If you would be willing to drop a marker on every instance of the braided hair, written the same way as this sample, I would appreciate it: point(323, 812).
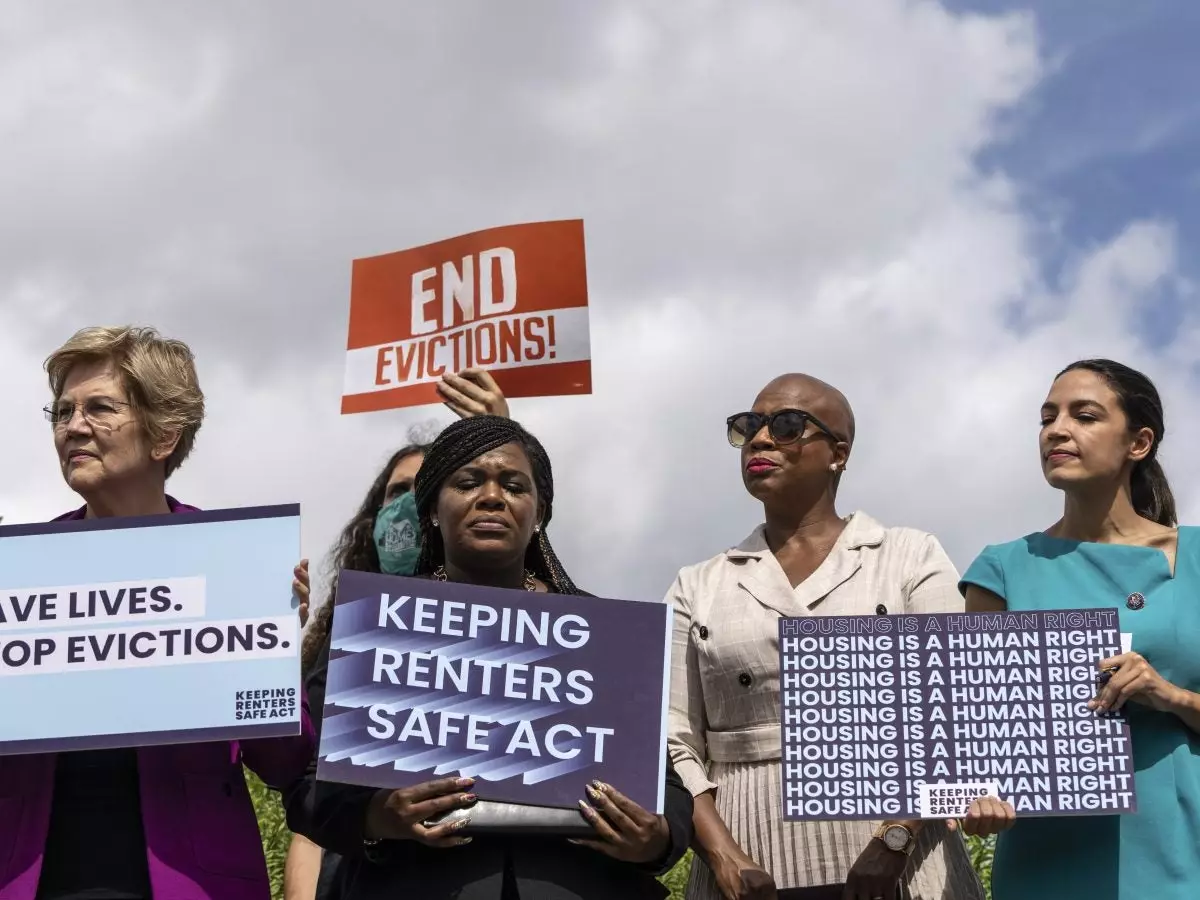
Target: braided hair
point(454, 448)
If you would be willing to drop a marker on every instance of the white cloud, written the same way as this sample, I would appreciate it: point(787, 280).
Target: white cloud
point(766, 187)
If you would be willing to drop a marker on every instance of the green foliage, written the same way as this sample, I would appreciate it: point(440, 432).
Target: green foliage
point(676, 879)
point(276, 839)
point(982, 850)
point(272, 824)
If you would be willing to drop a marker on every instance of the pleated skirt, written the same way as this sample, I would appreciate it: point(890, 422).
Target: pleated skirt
point(805, 854)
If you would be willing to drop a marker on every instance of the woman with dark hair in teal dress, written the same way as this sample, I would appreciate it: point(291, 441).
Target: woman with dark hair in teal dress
point(1117, 545)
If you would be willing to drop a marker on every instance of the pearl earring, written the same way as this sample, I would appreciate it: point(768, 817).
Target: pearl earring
point(433, 522)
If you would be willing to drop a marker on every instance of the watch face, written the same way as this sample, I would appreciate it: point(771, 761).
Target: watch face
point(896, 838)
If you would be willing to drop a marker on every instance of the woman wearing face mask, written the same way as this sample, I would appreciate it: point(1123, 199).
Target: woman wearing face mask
point(491, 468)
point(1117, 545)
point(383, 536)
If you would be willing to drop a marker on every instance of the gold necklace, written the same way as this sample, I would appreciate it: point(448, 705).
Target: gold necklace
point(530, 583)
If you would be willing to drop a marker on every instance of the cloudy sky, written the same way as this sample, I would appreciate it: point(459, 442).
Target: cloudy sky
point(933, 206)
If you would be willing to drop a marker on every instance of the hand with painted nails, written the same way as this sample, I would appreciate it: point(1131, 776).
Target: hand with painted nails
point(1131, 678)
point(300, 587)
point(401, 815)
point(472, 392)
point(625, 831)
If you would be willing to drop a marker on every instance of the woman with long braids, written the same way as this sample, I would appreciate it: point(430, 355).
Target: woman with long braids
point(1118, 546)
point(484, 496)
point(382, 536)
point(464, 446)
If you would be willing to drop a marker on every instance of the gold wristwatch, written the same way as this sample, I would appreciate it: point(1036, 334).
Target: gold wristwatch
point(897, 837)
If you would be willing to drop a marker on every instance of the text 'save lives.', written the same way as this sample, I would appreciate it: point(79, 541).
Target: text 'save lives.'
point(135, 631)
point(914, 716)
point(532, 694)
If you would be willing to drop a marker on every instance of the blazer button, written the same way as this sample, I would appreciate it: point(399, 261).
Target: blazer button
point(745, 680)
point(704, 632)
point(881, 610)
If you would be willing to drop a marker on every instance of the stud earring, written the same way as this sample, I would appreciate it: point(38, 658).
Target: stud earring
point(433, 522)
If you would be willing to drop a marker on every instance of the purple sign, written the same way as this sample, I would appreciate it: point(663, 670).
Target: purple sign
point(914, 716)
point(531, 694)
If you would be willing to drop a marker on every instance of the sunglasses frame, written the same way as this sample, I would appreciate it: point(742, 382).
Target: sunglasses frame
point(769, 421)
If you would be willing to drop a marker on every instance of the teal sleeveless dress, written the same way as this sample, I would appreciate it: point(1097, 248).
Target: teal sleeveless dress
point(1155, 853)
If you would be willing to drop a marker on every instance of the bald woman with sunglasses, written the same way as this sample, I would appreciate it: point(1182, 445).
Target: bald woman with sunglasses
point(724, 739)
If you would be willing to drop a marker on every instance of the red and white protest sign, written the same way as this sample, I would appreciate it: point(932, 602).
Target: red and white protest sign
point(512, 300)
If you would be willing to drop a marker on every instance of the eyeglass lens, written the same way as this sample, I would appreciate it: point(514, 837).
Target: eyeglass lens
point(784, 426)
point(98, 411)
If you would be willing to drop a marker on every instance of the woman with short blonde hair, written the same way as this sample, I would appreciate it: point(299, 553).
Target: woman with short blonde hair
point(148, 822)
point(156, 374)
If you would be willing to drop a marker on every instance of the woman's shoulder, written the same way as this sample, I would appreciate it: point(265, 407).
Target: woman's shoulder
point(1032, 544)
point(1009, 554)
point(892, 545)
point(996, 565)
point(753, 546)
point(710, 576)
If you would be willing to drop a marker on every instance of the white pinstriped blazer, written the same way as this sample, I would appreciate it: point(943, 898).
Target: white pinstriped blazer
point(725, 690)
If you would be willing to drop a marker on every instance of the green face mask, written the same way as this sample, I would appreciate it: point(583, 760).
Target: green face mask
point(398, 536)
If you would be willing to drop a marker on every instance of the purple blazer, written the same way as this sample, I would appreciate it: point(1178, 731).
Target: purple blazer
point(202, 838)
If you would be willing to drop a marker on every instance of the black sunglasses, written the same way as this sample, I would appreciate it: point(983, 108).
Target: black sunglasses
point(784, 425)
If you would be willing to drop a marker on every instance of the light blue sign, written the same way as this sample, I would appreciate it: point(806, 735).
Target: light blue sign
point(133, 631)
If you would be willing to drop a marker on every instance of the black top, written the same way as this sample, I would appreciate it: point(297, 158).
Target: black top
point(96, 846)
point(489, 868)
point(328, 884)
point(329, 879)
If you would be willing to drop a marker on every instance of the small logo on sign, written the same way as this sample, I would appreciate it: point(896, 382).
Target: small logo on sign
point(265, 704)
point(950, 801)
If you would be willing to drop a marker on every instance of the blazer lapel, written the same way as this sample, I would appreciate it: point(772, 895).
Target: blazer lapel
point(766, 582)
point(763, 577)
point(839, 566)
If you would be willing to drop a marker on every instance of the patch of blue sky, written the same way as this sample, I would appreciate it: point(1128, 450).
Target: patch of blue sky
point(1111, 135)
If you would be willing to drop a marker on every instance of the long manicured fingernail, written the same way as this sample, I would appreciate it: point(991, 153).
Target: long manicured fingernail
point(462, 823)
point(465, 782)
point(587, 810)
point(600, 786)
point(469, 798)
point(593, 793)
